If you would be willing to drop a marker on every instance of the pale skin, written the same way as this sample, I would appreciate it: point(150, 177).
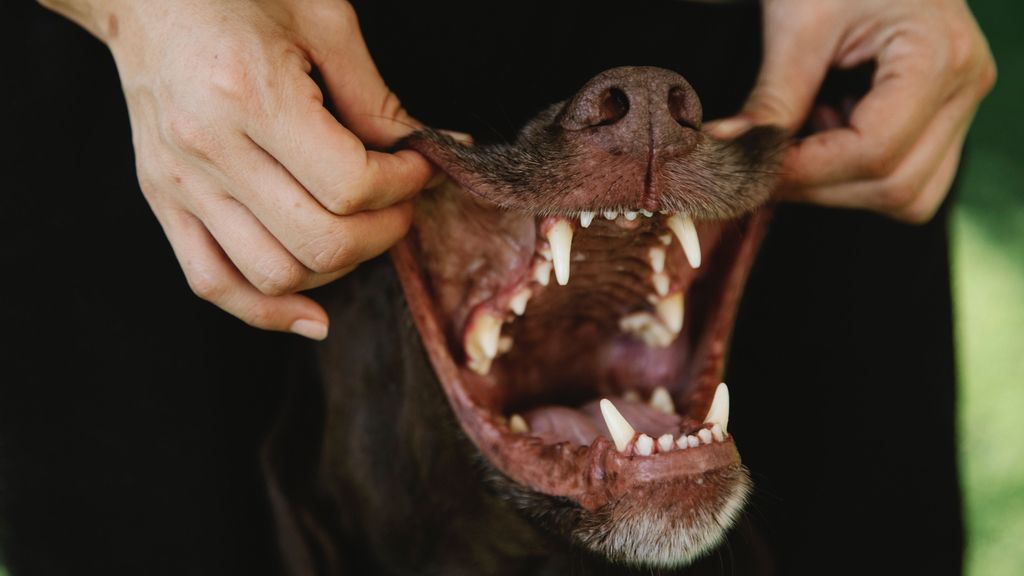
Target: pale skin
point(263, 194)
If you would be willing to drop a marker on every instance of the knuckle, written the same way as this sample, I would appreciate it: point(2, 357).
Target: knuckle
point(881, 161)
point(204, 283)
point(190, 134)
point(894, 196)
point(260, 315)
point(277, 279)
point(326, 257)
point(230, 76)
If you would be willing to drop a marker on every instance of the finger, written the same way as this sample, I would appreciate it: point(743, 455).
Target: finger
point(798, 48)
point(366, 105)
point(213, 278)
point(331, 162)
point(935, 190)
point(894, 193)
point(255, 252)
point(884, 126)
point(321, 241)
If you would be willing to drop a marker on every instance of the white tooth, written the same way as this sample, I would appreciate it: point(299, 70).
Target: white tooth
point(545, 252)
point(665, 443)
point(631, 395)
point(647, 213)
point(670, 310)
point(661, 283)
point(586, 218)
point(646, 327)
point(682, 226)
point(657, 257)
point(681, 443)
point(504, 344)
point(704, 435)
point(622, 433)
point(610, 214)
point(716, 431)
point(719, 411)
point(518, 425)
point(665, 239)
point(482, 340)
point(692, 441)
point(630, 215)
point(560, 238)
point(661, 401)
point(644, 445)
point(542, 273)
point(518, 301)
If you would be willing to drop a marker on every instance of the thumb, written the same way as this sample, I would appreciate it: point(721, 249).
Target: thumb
point(798, 49)
point(365, 104)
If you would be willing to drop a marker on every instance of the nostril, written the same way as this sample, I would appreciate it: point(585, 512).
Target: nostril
point(684, 107)
point(614, 106)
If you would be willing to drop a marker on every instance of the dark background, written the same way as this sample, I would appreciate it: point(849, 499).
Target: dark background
point(131, 412)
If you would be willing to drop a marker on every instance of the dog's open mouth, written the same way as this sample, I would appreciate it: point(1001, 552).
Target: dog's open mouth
point(576, 290)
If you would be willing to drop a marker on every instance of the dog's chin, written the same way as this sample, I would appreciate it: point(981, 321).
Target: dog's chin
point(575, 292)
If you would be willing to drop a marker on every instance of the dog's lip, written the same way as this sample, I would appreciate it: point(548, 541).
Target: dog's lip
point(591, 475)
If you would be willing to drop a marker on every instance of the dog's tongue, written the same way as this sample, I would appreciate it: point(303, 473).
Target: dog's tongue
point(582, 425)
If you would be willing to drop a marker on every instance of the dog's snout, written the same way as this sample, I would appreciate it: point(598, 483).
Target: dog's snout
point(634, 102)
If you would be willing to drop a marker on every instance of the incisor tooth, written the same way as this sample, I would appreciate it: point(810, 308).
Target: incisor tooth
point(482, 340)
point(657, 257)
point(681, 443)
point(542, 272)
point(610, 214)
point(560, 238)
point(586, 218)
point(716, 431)
point(661, 401)
point(718, 413)
point(644, 445)
point(622, 433)
point(692, 441)
point(518, 425)
point(670, 310)
point(647, 213)
point(683, 228)
point(665, 443)
point(705, 435)
point(661, 283)
point(630, 215)
point(518, 301)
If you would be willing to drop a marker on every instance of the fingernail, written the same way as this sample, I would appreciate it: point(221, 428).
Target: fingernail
point(312, 329)
point(460, 136)
point(729, 128)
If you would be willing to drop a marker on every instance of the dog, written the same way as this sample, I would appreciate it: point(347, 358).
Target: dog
point(547, 355)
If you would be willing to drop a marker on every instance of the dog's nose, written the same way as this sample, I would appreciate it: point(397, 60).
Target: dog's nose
point(634, 105)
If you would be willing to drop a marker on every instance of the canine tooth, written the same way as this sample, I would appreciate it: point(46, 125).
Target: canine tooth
point(610, 214)
point(518, 301)
point(665, 443)
point(657, 257)
point(718, 413)
point(645, 326)
point(682, 226)
point(661, 401)
point(670, 310)
point(705, 435)
point(661, 283)
point(681, 443)
point(644, 445)
point(665, 239)
point(647, 213)
point(630, 215)
point(692, 441)
point(482, 341)
point(586, 218)
point(542, 273)
point(622, 433)
point(518, 425)
point(560, 238)
point(716, 431)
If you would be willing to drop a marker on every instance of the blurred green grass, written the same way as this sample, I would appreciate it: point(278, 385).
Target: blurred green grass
point(988, 275)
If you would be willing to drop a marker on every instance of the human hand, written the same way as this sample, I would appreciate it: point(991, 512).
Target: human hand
point(899, 150)
point(261, 192)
